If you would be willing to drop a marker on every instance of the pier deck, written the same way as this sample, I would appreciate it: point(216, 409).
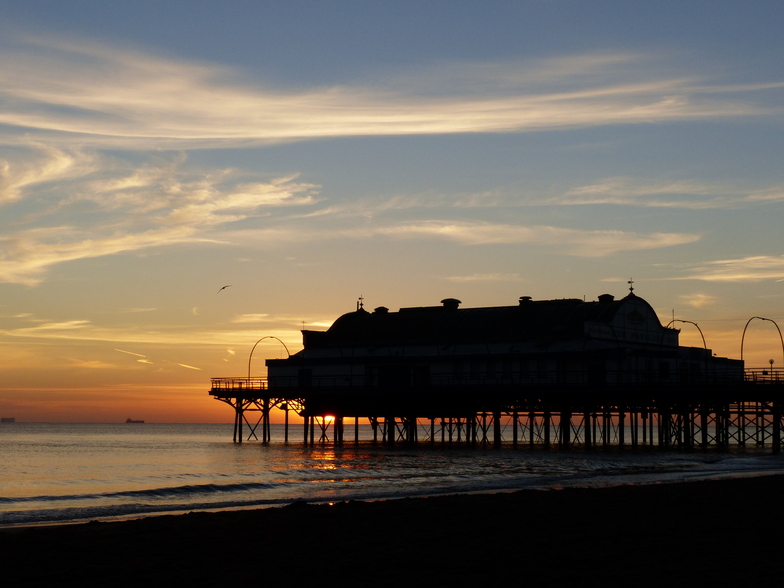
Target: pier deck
point(679, 415)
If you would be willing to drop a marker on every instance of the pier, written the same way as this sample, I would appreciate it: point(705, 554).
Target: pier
point(554, 373)
point(693, 415)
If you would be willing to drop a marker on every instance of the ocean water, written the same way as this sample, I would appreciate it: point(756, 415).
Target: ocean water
point(60, 473)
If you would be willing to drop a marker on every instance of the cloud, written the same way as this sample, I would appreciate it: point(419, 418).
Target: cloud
point(130, 353)
point(746, 269)
point(56, 327)
point(251, 318)
point(122, 337)
point(92, 364)
point(66, 197)
point(125, 209)
point(86, 93)
point(39, 164)
point(575, 242)
point(698, 300)
point(686, 194)
point(485, 278)
point(190, 367)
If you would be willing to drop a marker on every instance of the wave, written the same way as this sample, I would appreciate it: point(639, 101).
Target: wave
point(163, 492)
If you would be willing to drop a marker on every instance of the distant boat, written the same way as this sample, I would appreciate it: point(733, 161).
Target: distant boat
point(7, 420)
point(129, 420)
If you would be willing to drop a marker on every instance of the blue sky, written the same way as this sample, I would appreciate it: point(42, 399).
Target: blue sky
point(309, 153)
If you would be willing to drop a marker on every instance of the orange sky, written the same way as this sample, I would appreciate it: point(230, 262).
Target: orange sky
point(305, 155)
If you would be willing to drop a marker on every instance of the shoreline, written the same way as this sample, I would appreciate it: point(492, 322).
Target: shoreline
point(596, 483)
point(700, 531)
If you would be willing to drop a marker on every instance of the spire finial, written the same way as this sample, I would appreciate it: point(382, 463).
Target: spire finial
point(631, 285)
point(360, 302)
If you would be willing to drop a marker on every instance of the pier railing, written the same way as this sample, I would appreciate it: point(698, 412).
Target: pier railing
point(239, 385)
point(242, 385)
point(765, 375)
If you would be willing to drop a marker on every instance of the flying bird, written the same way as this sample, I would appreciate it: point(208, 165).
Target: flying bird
point(224, 287)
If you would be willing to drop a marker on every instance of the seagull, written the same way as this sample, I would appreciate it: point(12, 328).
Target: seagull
point(226, 286)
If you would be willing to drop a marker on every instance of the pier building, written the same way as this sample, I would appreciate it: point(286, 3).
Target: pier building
point(567, 372)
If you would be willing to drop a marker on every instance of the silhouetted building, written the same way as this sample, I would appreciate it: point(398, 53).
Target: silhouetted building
point(536, 343)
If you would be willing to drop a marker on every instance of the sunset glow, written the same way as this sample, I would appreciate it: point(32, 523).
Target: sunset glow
point(307, 155)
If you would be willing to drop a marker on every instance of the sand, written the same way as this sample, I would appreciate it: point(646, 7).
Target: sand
point(715, 533)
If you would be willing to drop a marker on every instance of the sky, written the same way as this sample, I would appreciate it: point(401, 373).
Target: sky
point(311, 153)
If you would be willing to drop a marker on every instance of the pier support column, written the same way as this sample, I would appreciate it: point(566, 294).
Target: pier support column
point(238, 410)
point(389, 423)
point(546, 423)
point(531, 427)
point(703, 410)
point(587, 429)
point(566, 428)
point(338, 424)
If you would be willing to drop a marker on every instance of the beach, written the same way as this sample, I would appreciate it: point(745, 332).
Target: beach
point(703, 533)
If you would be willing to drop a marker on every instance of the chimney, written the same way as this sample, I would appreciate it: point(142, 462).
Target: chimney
point(450, 303)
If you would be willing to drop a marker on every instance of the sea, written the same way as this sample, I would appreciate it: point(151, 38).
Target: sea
point(69, 473)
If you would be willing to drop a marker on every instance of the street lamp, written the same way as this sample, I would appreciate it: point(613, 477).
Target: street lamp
point(762, 318)
point(254, 348)
point(691, 323)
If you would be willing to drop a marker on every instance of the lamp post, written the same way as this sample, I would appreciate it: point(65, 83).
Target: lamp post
point(265, 409)
point(254, 348)
point(704, 345)
point(691, 323)
point(762, 318)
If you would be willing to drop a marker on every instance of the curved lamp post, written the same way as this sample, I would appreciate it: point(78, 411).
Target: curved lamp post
point(254, 348)
point(762, 318)
point(691, 323)
point(704, 345)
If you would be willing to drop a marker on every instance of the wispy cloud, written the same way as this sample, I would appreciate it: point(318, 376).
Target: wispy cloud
point(686, 194)
point(746, 269)
point(47, 328)
point(698, 300)
point(575, 242)
point(190, 367)
point(485, 278)
point(103, 95)
point(130, 353)
point(251, 318)
point(160, 203)
point(122, 338)
point(38, 164)
point(65, 103)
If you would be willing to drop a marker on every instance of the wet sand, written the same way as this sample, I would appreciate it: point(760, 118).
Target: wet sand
point(715, 533)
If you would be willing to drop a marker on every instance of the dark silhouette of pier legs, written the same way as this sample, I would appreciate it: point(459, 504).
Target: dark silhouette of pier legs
point(676, 420)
